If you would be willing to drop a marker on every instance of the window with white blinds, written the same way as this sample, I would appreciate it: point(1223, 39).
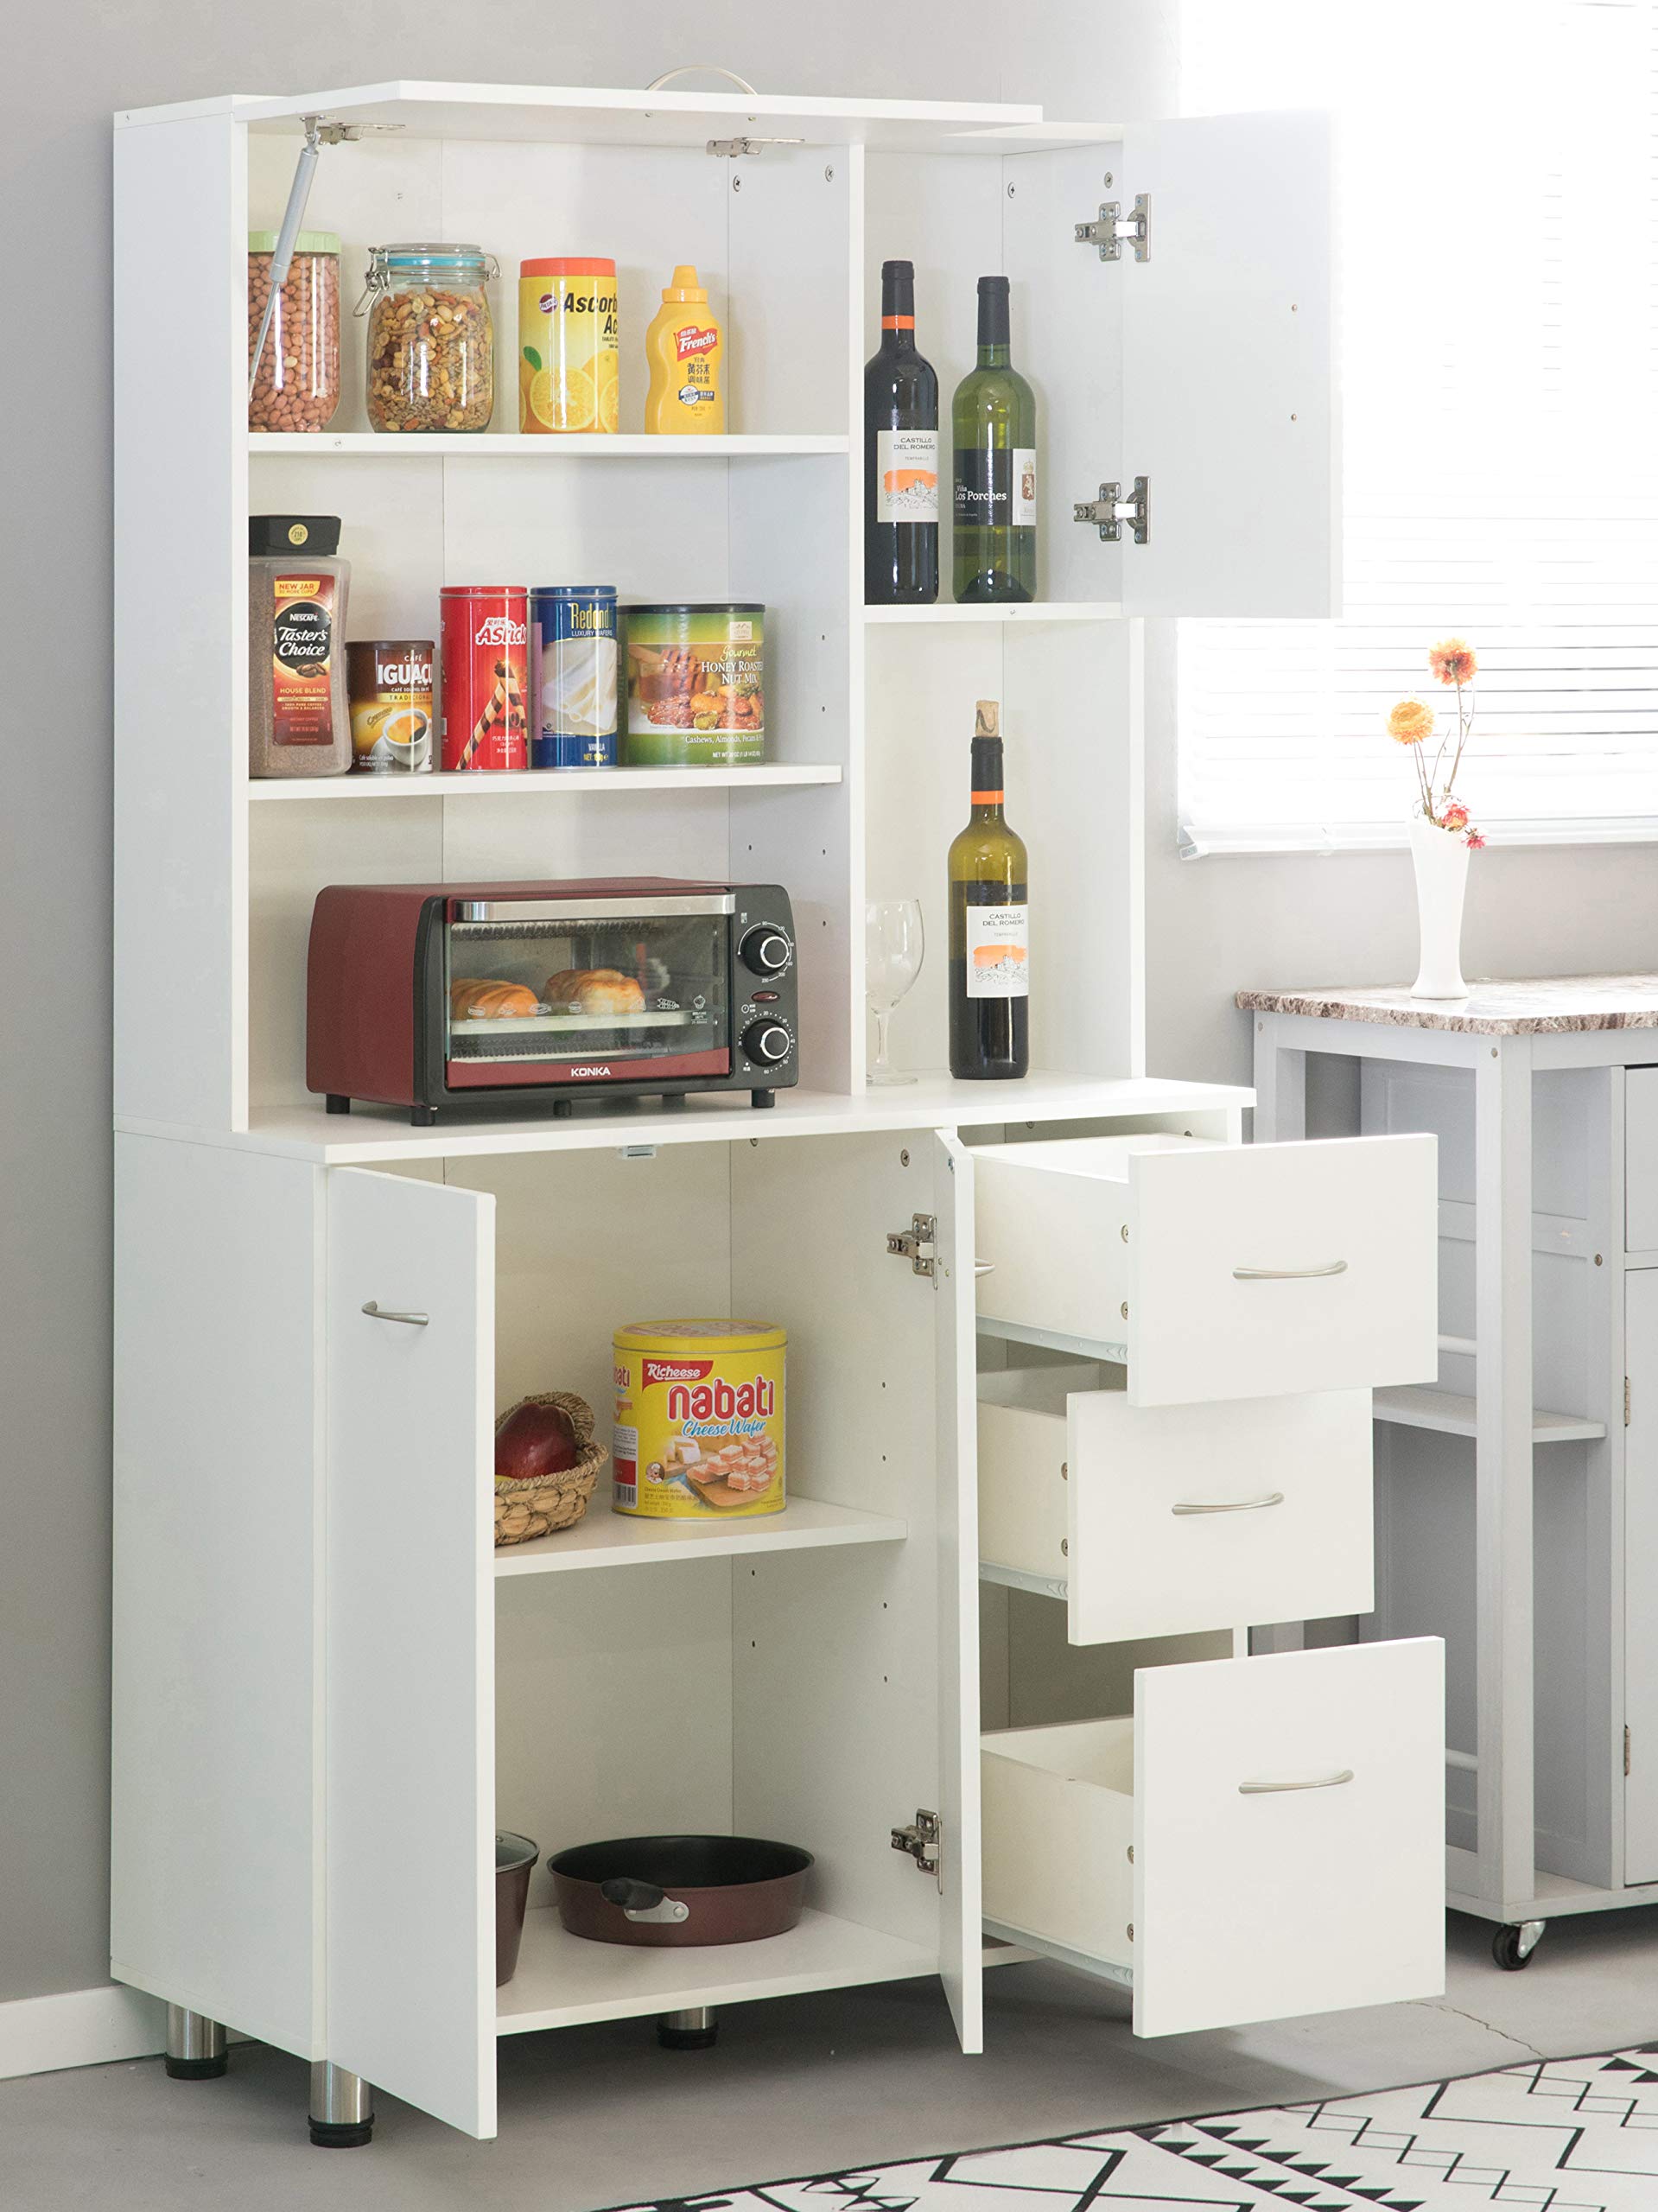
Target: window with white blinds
point(1499, 364)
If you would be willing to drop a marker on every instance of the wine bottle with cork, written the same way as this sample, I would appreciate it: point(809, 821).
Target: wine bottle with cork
point(989, 924)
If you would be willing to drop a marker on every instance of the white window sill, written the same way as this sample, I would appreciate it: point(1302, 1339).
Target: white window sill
point(1268, 837)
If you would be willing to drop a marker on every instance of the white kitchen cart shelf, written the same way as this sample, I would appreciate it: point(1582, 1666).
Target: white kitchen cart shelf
point(542, 783)
point(328, 1687)
point(1455, 1415)
point(1037, 610)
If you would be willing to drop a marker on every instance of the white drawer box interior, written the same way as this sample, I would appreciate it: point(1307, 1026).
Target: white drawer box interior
point(1216, 1271)
point(1162, 1520)
point(1268, 1829)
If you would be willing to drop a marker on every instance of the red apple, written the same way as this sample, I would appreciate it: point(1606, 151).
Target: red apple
point(534, 1442)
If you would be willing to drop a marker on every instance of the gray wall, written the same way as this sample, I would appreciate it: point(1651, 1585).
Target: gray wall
point(1213, 925)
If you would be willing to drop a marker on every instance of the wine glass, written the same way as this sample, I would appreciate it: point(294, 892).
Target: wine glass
point(894, 948)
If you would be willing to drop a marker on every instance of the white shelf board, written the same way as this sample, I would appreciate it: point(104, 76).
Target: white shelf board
point(1413, 1406)
point(539, 783)
point(564, 1978)
point(602, 1538)
point(513, 445)
point(1036, 610)
point(598, 115)
point(307, 1131)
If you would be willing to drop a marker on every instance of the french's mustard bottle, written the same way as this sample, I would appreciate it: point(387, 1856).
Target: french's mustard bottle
point(685, 348)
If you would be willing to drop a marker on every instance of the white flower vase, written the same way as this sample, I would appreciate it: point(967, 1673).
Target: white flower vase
point(1440, 859)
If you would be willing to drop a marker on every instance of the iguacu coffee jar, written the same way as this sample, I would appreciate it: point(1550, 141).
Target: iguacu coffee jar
point(298, 716)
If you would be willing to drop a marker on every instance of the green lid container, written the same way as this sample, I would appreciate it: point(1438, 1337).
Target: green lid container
point(306, 242)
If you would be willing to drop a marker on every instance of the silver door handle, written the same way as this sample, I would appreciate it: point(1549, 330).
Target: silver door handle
point(1288, 1275)
point(1238, 1505)
point(377, 1312)
point(984, 1268)
point(1321, 1782)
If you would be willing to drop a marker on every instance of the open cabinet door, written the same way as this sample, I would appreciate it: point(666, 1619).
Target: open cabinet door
point(1230, 391)
point(961, 1923)
point(411, 1628)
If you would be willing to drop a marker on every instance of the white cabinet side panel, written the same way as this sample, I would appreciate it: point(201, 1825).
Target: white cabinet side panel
point(410, 1624)
point(181, 625)
point(1230, 394)
point(1640, 1549)
point(216, 1817)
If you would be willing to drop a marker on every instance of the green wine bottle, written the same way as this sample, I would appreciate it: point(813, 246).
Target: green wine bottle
point(990, 925)
point(994, 429)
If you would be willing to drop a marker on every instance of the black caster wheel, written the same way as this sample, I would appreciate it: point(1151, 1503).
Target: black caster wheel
point(1514, 1947)
point(197, 2070)
point(341, 2135)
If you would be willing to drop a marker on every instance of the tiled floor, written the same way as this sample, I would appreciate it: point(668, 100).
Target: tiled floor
point(596, 2117)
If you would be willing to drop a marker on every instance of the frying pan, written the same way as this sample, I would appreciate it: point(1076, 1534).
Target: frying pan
point(659, 1890)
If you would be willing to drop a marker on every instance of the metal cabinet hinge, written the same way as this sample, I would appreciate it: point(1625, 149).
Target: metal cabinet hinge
point(1110, 230)
point(920, 1839)
point(1626, 1751)
point(729, 150)
point(1626, 1401)
point(1110, 511)
point(917, 1244)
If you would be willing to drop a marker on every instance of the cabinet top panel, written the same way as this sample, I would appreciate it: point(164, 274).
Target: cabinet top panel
point(598, 115)
point(1529, 1006)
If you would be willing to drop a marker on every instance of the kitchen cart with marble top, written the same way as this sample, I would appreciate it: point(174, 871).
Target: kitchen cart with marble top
point(1517, 1494)
point(1078, 1385)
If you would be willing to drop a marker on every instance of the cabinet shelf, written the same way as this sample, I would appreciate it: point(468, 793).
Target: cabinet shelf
point(564, 1978)
point(541, 783)
point(1411, 1406)
point(513, 445)
point(605, 1539)
point(1037, 610)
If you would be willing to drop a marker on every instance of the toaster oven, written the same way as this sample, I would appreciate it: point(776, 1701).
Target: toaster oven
point(438, 995)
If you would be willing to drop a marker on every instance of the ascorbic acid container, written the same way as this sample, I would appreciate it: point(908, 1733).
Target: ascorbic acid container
point(567, 345)
point(699, 1418)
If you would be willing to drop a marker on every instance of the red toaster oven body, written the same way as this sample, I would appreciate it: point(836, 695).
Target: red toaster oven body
point(451, 996)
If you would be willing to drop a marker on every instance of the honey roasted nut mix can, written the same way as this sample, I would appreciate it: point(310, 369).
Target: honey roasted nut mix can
point(485, 687)
point(699, 1418)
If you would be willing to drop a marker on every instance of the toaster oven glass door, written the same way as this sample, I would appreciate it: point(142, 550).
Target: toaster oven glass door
point(558, 990)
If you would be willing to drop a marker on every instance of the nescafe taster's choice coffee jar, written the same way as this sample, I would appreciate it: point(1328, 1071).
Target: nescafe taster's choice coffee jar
point(390, 684)
point(298, 723)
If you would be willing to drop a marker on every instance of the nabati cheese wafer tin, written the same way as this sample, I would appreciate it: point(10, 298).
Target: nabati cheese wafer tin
point(699, 1418)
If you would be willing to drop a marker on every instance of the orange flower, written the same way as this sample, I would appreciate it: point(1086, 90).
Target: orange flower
point(1455, 816)
point(1452, 661)
point(1411, 722)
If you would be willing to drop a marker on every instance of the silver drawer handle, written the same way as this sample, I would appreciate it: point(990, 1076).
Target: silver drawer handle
point(1287, 1274)
point(377, 1312)
point(984, 1268)
point(1240, 1505)
point(1269, 1789)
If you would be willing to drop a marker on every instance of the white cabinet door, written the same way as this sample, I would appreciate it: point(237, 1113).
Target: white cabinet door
point(410, 1652)
point(1640, 1551)
point(960, 1912)
point(1230, 407)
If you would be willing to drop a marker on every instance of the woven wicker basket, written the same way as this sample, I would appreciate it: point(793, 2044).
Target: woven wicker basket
point(526, 1509)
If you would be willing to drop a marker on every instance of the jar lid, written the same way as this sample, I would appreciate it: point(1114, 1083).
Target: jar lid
point(568, 265)
point(393, 255)
point(305, 242)
point(687, 1338)
point(272, 535)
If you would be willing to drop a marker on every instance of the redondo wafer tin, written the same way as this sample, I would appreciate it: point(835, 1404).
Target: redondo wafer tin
point(485, 676)
point(699, 1418)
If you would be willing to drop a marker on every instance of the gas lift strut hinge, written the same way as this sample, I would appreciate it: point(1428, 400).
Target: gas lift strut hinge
point(918, 1245)
point(1111, 231)
point(1110, 511)
point(920, 1840)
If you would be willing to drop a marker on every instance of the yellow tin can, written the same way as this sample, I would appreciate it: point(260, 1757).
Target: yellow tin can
point(699, 1418)
point(567, 352)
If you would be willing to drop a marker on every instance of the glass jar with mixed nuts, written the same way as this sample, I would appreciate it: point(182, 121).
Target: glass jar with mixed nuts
point(431, 343)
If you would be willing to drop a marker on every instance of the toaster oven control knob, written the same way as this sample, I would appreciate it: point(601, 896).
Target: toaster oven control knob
point(767, 1043)
point(764, 950)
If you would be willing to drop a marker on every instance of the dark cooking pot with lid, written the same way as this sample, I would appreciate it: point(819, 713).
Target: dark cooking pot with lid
point(680, 1888)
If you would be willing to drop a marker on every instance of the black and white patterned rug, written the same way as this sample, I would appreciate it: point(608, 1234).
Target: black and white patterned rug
point(1560, 2135)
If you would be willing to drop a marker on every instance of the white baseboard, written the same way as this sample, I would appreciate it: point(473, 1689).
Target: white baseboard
point(80, 2027)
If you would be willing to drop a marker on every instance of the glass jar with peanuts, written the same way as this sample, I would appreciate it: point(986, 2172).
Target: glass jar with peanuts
point(431, 341)
point(297, 386)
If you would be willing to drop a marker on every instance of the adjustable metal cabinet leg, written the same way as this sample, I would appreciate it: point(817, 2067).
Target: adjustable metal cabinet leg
point(195, 2046)
point(695, 2028)
point(342, 2107)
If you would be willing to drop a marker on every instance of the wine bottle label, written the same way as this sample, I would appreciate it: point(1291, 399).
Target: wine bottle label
point(998, 952)
point(906, 473)
point(1025, 487)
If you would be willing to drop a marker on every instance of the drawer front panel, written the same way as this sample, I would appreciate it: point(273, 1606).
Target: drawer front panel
point(1230, 1516)
point(1261, 1270)
point(1266, 1885)
point(1641, 1160)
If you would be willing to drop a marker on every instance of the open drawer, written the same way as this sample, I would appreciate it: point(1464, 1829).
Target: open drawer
point(1159, 1520)
point(1216, 1271)
point(1264, 1839)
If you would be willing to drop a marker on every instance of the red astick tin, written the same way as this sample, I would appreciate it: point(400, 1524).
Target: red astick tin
point(485, 676)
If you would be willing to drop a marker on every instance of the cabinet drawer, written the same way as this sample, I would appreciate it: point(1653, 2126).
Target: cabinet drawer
point(1217, 1271)
point(1162, 1520)
point(1641, 1160)
point(1264, 1839)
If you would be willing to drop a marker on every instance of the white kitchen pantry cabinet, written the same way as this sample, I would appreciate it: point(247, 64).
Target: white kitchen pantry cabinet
point(330, 1689)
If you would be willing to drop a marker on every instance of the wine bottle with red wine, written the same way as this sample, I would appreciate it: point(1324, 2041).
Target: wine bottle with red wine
point(900, 417)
